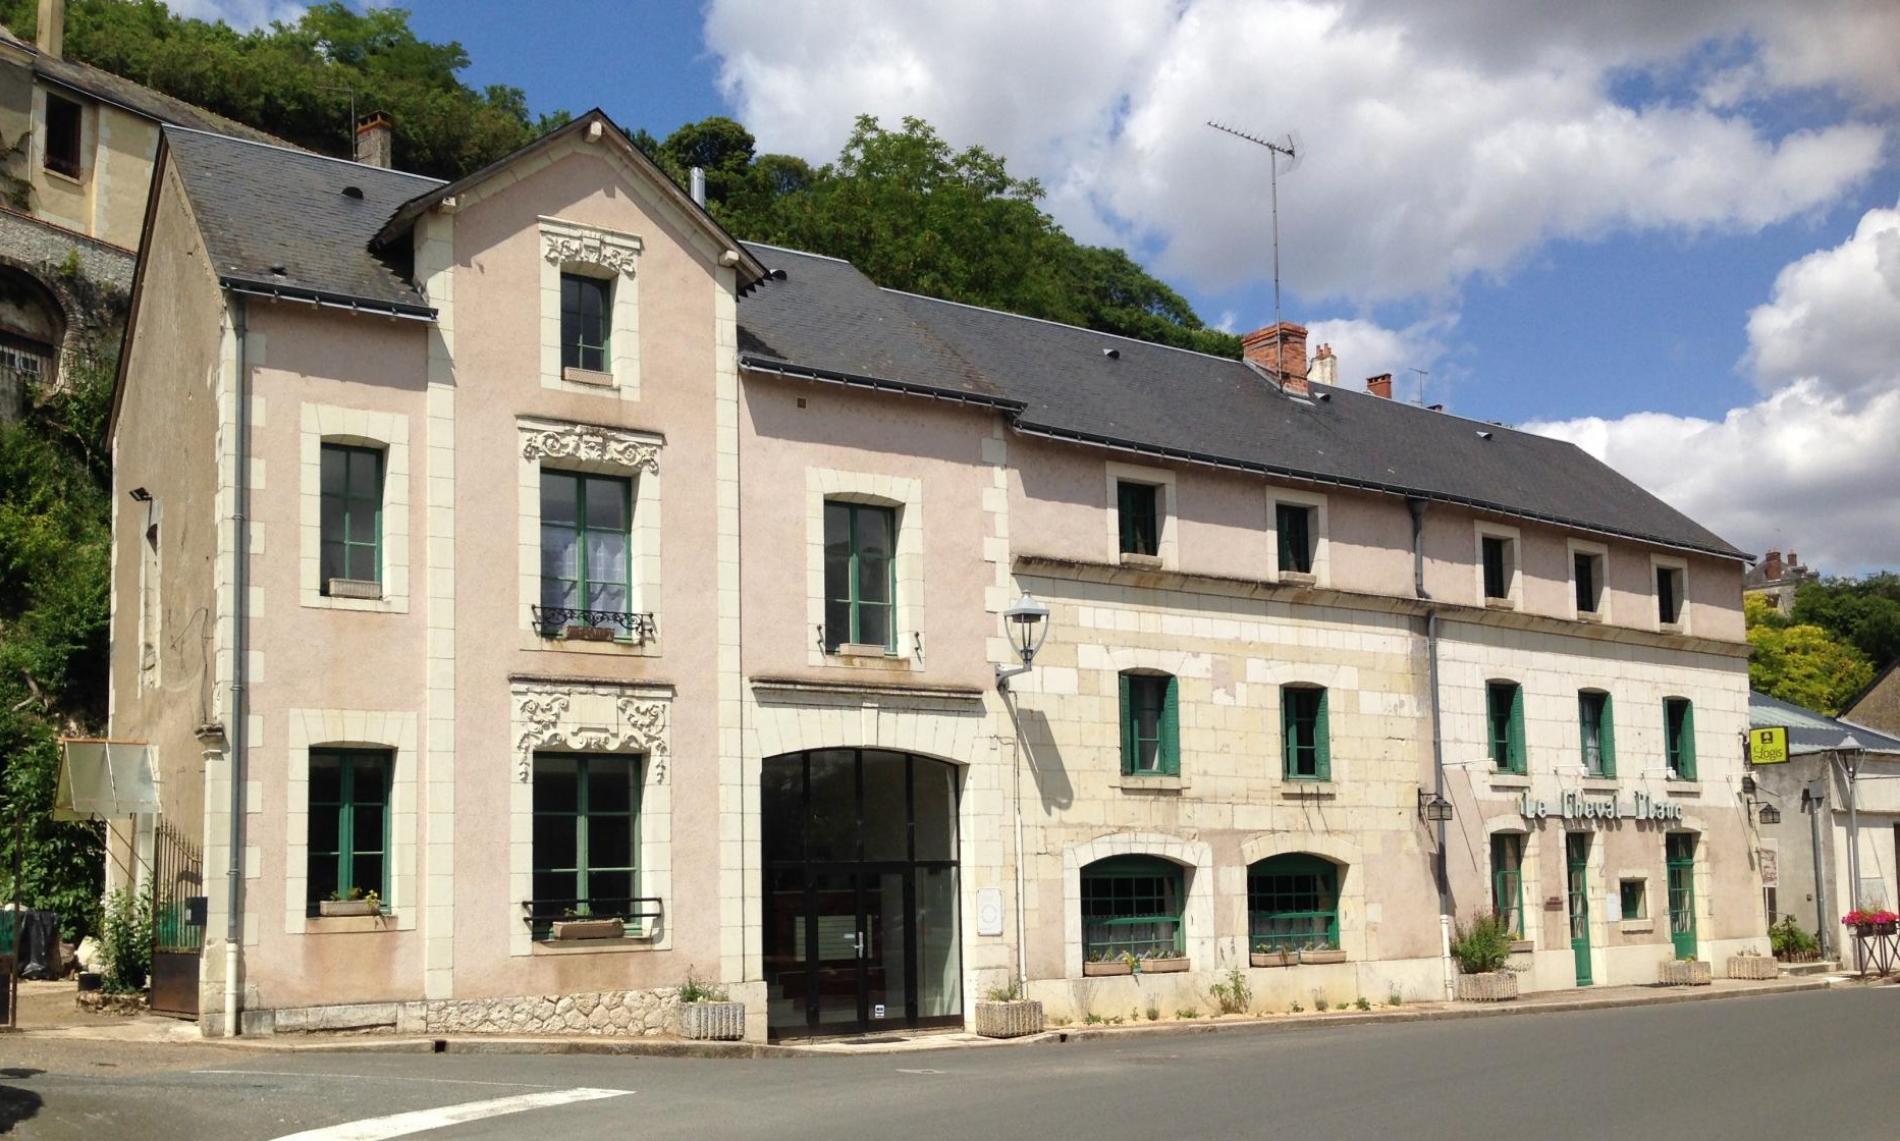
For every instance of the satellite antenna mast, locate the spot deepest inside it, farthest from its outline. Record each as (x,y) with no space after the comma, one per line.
(1290,147)
(1423,376)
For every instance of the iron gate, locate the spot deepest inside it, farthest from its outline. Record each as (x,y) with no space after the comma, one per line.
(178,921)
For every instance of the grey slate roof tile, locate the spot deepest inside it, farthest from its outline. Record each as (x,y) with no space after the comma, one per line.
(1811,732)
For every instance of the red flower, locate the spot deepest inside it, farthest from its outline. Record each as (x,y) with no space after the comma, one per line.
(1868,917)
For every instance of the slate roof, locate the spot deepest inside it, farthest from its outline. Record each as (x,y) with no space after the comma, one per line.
(1811,732)
(827,318)
(260,207)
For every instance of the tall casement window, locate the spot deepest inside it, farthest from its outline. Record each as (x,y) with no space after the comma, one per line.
(1586,575)
(1679,737)
(1679,853)
(1595,721)
(352,518)
(1308,754)
(1138,508)
(349,824)
(1498,569)
(1294,524)
(860,575)
(1669,595)
(1504,708)
(586,815)
(1507,880)
(1151,725)
(61,153)
(1293,904)
(586,319)
(586,535)
(1131,905)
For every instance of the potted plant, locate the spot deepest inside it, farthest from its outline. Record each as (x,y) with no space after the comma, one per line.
(1792,943)
(1871,921)
(706,1013)
(574,925)
(1269,955)
(1752,965)
(1318,952)
(1109,963)
(1482,947)
(1685,970)
(1162,961)
(1003,1012)
(350,901)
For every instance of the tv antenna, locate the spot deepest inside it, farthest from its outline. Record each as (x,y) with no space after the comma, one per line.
(1291,149)
(1423,376)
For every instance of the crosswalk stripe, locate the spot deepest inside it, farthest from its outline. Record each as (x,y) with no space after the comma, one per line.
(422,1120)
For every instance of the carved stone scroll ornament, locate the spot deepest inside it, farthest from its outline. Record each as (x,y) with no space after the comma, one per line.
(617,255)
(592,444)
(641,727)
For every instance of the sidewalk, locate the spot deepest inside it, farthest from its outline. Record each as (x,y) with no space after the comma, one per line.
(148,1029)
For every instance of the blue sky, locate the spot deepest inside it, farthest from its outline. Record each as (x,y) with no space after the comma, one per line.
(1640,228)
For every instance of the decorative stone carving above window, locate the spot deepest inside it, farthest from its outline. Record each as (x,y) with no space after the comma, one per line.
(592,444)
(566,243)
(590,718)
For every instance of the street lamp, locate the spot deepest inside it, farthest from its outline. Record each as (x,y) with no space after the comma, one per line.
(1028,624)
(1433,807)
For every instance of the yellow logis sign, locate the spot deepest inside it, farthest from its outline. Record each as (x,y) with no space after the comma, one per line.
(1768,746)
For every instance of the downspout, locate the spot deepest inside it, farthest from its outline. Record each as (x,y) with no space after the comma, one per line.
(234,883)
(1440,871)
(1016,803)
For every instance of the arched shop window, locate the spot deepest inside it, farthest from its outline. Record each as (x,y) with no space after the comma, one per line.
(1131,905)
(1293,904)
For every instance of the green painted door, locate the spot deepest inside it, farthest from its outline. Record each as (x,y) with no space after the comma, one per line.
(1680,847)
(1577,848)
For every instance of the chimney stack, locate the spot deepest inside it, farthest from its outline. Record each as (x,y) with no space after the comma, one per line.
(1324,367)
(1380,386)
(1771,566)
(376,141)
(1281,350)
(1794,561)
(50,37)
(696,182)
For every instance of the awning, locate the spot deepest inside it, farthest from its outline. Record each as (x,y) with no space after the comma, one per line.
(104,780)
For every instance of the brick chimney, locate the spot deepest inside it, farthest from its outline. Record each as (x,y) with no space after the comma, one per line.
(1324,367)
(376,141)
(1771,566)
(50,37)
(1794,562)
(1380,386)
(1281,350)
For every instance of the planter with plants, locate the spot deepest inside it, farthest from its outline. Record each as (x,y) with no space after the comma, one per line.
(1318,953)
(1162,962)
(350,901)
(574,927)
(1267,955)
(707,1014)
(1871,921)
(1482,947)
(1792,943)
(1687,971)
(1109,964)
(1753,965)
(1003,1012)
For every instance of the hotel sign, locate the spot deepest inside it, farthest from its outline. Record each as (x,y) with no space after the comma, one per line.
(1573,805)
(1768,746)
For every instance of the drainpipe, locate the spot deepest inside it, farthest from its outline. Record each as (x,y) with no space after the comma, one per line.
(1440,871)
(1817,803)
(234,889)
(1016,801)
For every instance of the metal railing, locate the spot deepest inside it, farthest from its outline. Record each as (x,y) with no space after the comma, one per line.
(621,625)
(635,911)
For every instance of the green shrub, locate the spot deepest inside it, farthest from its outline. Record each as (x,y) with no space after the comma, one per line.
(1789,940)
(1362,1003)
(1482,945)
(1011,991)
(1233,994)
(127,941)
(1320,1003)
(696,989)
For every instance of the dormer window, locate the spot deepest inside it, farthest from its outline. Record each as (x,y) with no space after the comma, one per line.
(586,321)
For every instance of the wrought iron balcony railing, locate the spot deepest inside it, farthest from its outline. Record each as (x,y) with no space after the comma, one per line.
(593,625)
(638,913)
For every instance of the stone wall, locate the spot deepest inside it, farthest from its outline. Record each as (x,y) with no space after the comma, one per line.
(616,1013)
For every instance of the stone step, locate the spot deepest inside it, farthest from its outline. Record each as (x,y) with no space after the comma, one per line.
(1823,967)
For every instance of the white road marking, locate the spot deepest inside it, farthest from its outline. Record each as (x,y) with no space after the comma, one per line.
(422,1120)
(319,1075)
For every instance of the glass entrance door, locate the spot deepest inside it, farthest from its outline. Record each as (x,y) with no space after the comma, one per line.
(1680,849)
(1577,849)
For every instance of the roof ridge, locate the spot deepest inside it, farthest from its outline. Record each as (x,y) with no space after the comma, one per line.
(800,253)
(299,152)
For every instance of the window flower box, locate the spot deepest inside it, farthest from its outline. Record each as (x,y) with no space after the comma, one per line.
(1753,967)
(1488,986)
(712,1021)
(1684,972)
(1284,957)
(573,930)
(338,908)
(588,633)
(1014,1018)
(1318,955)
(1173,964)
(1108,967)
(1871,921)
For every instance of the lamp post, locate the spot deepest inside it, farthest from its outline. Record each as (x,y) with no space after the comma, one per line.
(1027,622)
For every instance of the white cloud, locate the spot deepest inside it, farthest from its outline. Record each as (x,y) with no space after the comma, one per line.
(1366,348)
(1445,139)
(240,14)
(1814,464)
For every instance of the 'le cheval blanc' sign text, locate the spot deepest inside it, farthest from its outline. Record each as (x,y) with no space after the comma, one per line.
(1574,805)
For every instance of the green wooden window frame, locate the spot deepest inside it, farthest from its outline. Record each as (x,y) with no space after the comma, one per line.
(1668,595)
(348,826)
(602,525)
(1293,904)
(1679,859)
(860,580)
(1679,737)
(1496,552)
(1151,725)
(351,513)
(1507,880)
(1596,724)
(1304,733)
(1504,717)
(1138,512)
(1633,898)
(586,835)
(1131,905)
(1293,524)
(1589,588)
(587,309)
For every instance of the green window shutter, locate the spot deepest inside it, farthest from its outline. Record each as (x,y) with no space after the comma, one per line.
(1171,729)
(1688,740)
(1128,724)
(1516,741)
(1322,740)
(1608,736)
(1289,736)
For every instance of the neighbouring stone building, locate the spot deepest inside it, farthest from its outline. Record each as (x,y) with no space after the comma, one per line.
(1778,579)
(1878,705)
(617,600)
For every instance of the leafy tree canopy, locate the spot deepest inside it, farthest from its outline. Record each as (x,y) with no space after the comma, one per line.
(1800,662)
(1863,611)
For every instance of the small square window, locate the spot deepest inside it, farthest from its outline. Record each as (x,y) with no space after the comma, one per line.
(1669,595)
(1294,523)
(1138,508)
(586,318)
(1635,897)
(1497,567)
(61,153)
(1587,577)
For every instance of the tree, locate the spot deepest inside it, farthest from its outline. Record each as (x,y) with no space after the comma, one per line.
(1864,612)
(1801,663)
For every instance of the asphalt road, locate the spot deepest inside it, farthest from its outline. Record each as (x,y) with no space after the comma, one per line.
(1812,1065)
